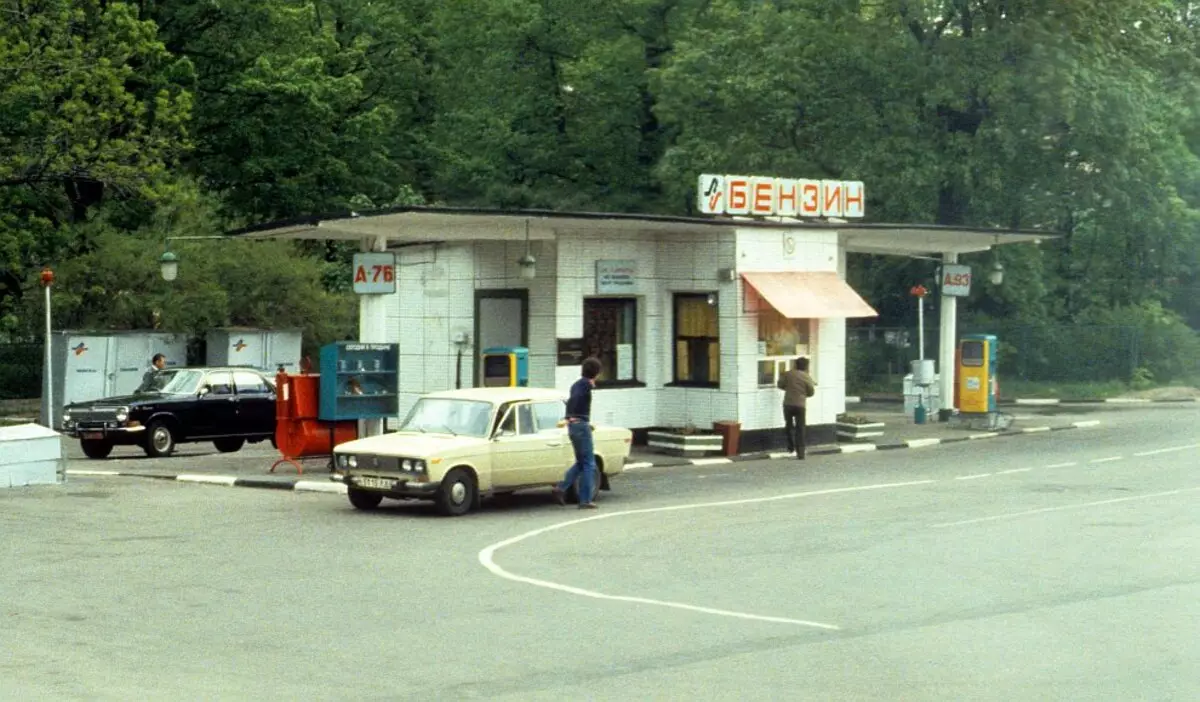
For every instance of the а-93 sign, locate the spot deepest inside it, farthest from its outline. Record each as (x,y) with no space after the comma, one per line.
(956,280)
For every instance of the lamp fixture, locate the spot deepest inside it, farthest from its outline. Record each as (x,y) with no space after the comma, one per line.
(527,262)
(168,263)
(711,299)
(996,275)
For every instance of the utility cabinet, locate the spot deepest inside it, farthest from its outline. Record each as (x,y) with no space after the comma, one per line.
(264,349)
(359,381)
(93,365)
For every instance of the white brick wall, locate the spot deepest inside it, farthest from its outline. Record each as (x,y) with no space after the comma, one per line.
(435,300)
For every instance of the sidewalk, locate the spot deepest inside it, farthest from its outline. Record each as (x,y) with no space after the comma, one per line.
(900,432)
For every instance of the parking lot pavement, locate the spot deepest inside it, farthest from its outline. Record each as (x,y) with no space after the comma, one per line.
(1057,565)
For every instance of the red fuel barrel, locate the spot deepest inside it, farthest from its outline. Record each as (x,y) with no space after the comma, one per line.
(298,430)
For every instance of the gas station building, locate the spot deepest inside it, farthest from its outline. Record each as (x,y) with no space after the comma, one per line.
(692,317)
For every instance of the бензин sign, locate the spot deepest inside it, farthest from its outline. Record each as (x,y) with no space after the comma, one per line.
(784,197)
(616,277)
(375,273)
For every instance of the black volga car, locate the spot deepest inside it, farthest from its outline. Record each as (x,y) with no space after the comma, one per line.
(227,406)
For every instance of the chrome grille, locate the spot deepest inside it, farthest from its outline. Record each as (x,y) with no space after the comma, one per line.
(384,463)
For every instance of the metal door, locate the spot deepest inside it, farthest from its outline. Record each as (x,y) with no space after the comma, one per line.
(131,359)
(500,320)
(85,372)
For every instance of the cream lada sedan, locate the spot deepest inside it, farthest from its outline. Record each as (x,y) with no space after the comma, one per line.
(458,446)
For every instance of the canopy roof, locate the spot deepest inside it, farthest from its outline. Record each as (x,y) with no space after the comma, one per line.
(412,224)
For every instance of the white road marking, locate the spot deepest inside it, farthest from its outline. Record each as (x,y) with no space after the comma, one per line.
(1037,401)
(487,555)
(1013,470)
(1031,430)
(920,443)
(1110,459)
(1125,400)
(985,435)
(1012,515)
(92,472)
(210,479)
(638,466)
(317,486)
(781,454)
(1086,424)
(977,476)
(1157,451)
(856,448)
(1063,465)
(709,461)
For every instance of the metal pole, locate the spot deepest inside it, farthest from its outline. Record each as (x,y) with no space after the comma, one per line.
(48,373)
(921,327)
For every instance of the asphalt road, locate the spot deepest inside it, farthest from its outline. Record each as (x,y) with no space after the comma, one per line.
(1046,566)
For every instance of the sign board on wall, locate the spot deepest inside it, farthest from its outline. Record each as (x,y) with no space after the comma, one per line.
(570,352)
(625,362)
(956,280)
(374,273)
(616,277)
(762,196)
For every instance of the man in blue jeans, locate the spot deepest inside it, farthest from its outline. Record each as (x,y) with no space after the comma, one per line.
(579,429)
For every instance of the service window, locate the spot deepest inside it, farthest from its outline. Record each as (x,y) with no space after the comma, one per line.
(780,342)
(610,335)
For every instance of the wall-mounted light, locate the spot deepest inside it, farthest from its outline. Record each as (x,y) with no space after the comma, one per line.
(726,275)
(527,262)
(996,275)
(711,299)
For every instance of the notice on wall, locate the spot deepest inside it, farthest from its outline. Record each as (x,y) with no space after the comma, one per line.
(570,352)
(616,277)
(625,362)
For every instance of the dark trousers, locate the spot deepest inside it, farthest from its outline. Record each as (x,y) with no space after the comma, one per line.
(793,422)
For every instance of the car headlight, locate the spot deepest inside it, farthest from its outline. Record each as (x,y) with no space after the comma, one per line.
(341,460)
(66,415)
(352,461)
(419,466)
(122,414)
(407,464)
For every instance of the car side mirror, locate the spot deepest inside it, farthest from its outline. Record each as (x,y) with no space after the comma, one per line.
(501,433)
(204,390)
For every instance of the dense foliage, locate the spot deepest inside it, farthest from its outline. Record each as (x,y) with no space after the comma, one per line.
(122,123)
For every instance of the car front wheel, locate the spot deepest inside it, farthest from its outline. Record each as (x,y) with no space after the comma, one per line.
(364,500)
(458,493)
(96,448)
(160,441)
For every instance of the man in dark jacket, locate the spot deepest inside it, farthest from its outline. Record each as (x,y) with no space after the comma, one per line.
(797,386)
(579,429)
(156,364)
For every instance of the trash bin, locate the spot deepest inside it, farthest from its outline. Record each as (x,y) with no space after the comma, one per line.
(730,433)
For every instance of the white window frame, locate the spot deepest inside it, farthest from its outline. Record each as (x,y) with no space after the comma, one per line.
(785,363)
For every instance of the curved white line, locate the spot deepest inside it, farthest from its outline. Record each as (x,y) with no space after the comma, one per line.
(487,555)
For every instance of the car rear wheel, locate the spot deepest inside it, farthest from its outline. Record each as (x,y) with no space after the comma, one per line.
(160,441)
(229,445)
(96,448)
(362,499)
(458,493)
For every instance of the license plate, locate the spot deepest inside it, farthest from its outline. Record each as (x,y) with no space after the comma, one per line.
(377,483)
(93,435)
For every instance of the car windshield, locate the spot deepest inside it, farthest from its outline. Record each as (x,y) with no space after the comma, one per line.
(173,382)
(449,416)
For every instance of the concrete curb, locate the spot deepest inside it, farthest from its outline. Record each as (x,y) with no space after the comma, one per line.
(897,399)
(340,489)
(862,447)
(297,485)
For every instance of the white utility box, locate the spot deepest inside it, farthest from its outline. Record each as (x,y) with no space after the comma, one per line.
(30,454)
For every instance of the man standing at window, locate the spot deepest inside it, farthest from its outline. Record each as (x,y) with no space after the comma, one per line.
(797,386)
(579,429)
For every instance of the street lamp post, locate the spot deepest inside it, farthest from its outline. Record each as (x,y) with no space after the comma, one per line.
(47,279)
(169,262)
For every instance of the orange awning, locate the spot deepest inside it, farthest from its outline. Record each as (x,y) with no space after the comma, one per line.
(809,294)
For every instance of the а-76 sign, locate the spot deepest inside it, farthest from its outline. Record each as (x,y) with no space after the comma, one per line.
(374,273)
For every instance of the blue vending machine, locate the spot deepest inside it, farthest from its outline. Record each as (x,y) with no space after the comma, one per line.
(359,381)
(505,367)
